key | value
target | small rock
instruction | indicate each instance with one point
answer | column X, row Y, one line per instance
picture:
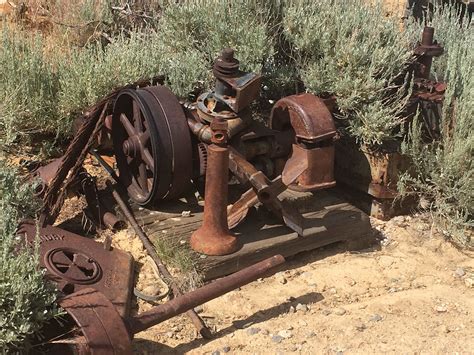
column 443, row 329
column 459, row 272
column 170, row 334
column 376, row 318
column 326, row 312
column 442, row 308
column 226, row 349
column 360, row 327
column 311, row 335
column 277, row 339
column 198, row 309
column 186, row 214
column 217, row 352
column 289, row 328
column 285, row 334
column 301, row 307
column 339, row 311
column 469, row 282
column 291, row 309
column 253, row 331
column 264, row 332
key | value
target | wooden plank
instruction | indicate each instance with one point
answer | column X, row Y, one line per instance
column 328, row 219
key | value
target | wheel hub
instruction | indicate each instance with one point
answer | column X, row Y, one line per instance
column 152, row 144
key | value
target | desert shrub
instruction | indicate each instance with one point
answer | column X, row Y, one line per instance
column 26, row 302
column 211, row 25
column 443, row 170
column 350, row 50
column 28, row 87
column 90, row 73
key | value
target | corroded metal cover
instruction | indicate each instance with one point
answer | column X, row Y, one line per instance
column 74, row 263
column 306, row 114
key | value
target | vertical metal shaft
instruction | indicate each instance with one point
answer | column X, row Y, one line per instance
column 426, row 60
column 214, row 237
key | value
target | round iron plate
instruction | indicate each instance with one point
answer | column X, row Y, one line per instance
column 152, row 144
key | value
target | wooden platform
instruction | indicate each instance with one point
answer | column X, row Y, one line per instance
column 328, row 219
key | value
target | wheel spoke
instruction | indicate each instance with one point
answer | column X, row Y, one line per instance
column 137, row 117
column 127, row 125
column 142, row 177
column 145, row 138
column 148, row 159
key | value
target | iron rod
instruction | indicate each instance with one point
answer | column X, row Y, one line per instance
column 203, row 294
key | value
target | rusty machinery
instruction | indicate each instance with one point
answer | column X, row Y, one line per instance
column 95, row 281
column 162, row 145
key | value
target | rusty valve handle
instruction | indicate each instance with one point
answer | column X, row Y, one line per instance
column 204, row 294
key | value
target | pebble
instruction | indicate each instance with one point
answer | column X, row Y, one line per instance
column 326, row 312
column 469, row 282
column 277, row 339
column 376, row 318
column 459, row 272
column 301, row 307
column 360, row 327
column 253, row 331
column 170, row 334
column 285, row 334
column 217, row 352
column 198, row 309
column 226, row 349
column 339, row 311
column 264, row 332
column 291, row 309
column 442, row 308
column 311, row 335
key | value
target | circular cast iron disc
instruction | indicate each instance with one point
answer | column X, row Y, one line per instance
column 152, row 144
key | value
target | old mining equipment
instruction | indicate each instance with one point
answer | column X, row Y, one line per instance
column 161, row 145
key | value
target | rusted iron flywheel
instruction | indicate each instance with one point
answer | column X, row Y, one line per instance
column 152, row 144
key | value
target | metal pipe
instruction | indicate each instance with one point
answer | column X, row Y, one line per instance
column 204, row 132
column 203, row 294
column 214, row 236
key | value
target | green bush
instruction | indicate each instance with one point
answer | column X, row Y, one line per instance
column 350, row 50
column 28, row 87
column 209, row 26
column 26, row 302
column 443, row 170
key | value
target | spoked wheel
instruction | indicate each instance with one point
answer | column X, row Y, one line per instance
column 152, row 144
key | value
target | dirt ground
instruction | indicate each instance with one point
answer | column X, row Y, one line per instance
column 412, row 292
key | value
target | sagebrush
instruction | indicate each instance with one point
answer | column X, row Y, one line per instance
column 26, row 301
column 349, row 49
column 443, row 169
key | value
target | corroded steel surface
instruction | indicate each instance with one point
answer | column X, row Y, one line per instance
column 100, row 323
column 74, row 262
column 214, row 237
column 204, row 294
column 152, row 144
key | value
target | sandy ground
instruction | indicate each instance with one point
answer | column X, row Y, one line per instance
column 410, row 293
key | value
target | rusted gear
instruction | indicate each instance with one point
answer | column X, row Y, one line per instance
column 72, row 265
column 152, row 144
